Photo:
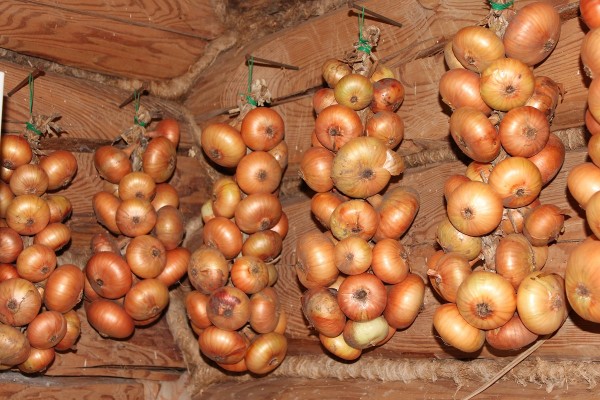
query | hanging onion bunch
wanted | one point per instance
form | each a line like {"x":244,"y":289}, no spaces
{"x":496,"y":235}
{"x":140,"y":256}
{"x":38,"y":294}
{"x":234,"y":309}
{"x":359,"y":287}
{"x":582,"y":183}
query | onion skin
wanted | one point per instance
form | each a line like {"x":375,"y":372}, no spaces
{"x":109,"y":319}
{"x":266,"y":352}
{"x":582,"y":275}
{"x":321,"y":309}
{"x":507,"y":83}
{"x":476,"y":47}
{"x":511,"y":336}
{"x":14,"y":346}
{"x":532,"y":33}
{"x":474,"y":134}
{"x":404,"y":302}
{"x":455,"y":330}
{"x":64,"y":288}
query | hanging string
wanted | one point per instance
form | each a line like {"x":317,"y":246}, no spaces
{"x":29,"y":125}
{"x":501,"y":6}
{"x":136,"y":98}
{"x":363,"y":44}
{"x":249,"y":98}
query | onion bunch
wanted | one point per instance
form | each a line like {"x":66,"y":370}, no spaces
{"x":140,"y":255}
{"x":234,"y":309}
{"x":38,"y":296}
{"x":495,"y":239}
{"x":359,"y":287}
{"x":582,"y":183}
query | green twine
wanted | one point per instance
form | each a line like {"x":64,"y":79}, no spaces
{"x":500,"y":6}
{"x":249,"y":98}
{"x":28,"y":124}
{"x":363,"y":44}
{"x":136,"y":96}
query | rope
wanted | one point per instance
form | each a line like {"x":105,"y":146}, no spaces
{"x":501,"y":6}
{"x":363,"y":44}
{"x":29,"y":125}
{"x":249,"y":97}
{"x":136,"y":96}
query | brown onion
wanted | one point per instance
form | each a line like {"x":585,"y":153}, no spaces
{"x":258,"y":172}
{"x":146,"y":256}
{"x":20,"y":302}
{"x":532,"y":33}
{"x":550,"y":159}
{"x":223,"y":346}
{"x":264,"y":310}
{"x":105,"y":207}
{"x":60,"y":167}
{"x":64,"y":288}
{"x":11,"y":245}
{"x":73,"y":332}
{"x":109,"y":319}
{"x":266,"y":245}
{"x":135,"y":217}
{"x":37,"y":361}
{"x":137,"y":184}
{"x":224,"y":235}
{"x":354,"y":217}
{"x":362,"y":297}
{"x":258,"y":212}
{"x":208,"y":269}
{"x":514,"y":258}
{"x":476,"y":47}
{"x":513,"y":335}
{"x":54,"y":236}
{"x":266,"y":352}
{"x":390,"y":261}
{"x":228,"y":308}
{"x":507,"y":83}
{"x":146,"y":299}
{"x":176,"y":265}
{"x":223,"y":144}
{"x":315,"y":169}
{"x":397,"y":211}
{"x":448,"y":273}
{"x":27,"y":214}
{"x":322,"y":311}
{"x":14,"y":347}
{"x":336,"y":125}
{"x":386,"y":126}
{"x":262,"y":128}
{"x":459,"y":87}
{"x":15,"y":151}
{"x":195,"y":306}
{"x":226,"y":195}
{"x":159,"y":159}
{"x":315,"y":264}
{"x":474,"y":134}
{"x":524,"y":131}
{"x":60,"y":207}
{"x":29,"y":179}
{"x":517,"y":180}
{"x":36,"y":262}
{"x":249,"y":274}
{"x":543,"y":224}
{"x":112,"y":163}
{"x":46,"y":330}
{"x":166,"y":195}
{"x":404,"y":301}
{"x":109,"y":275}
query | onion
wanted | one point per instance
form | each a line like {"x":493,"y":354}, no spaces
{"x":266,"y":352}
{"x":262,"y":128}
{"x":362,"y":297}
{"x":223,"y":144}
{"x":477,"y":47}
{"x":532,"y":33}
{"x":20,"y":302}
{"x":404,"y":301}
{"x":64,"y":288}
{"x":541,"y":302}
{"x":474,"y":208}
{"x":474,"y":134}
{"x":60,"y":167}
{"x":109,"y":319}
{"x":321,"y":309}
{"x":455,"y":330}
{"x":507,"y":83}
{"x":46,"y":330}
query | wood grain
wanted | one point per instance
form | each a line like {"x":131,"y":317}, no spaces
{"x":571,"y":342}
{"x":192,"y":18}
{"x":283,"y":388}
{"x":425,"y":26}
{"x":94,"y":43}
{"x":87,"y":109}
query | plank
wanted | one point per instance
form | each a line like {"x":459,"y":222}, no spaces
{"x":193,"y":18}
{"x":94,"y":43}
{"x":284,"y":388}
{"x":575,"y":340}
{"x":19,"y":387}
{"x":425,"y":117}
{"x":88,"y":110}
{"x":150,"y":353}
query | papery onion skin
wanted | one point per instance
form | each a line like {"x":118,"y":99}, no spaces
{"x":46,"y":330}
{"x":355,"y":217}
{"x":28,"y":214}
{"x":228,"y":308}
{"x":223,"y":144}
{"x":258,"y":172}
{"x":486,"y":300}
{"x":361,"y":169}
{"x":262,"y":128}
{"x":362,"y":297}
{"x":455,"y":330}
{"x":354,"y":91}
{"x":321,"y":309}
{"x":11,"y":245}
{"x":224,"y":235}
{"x":146,"y":299}
{"x":447,"y":274}
{"x":541,"y":302}
{"x":590,"y":13}
{"x":474,"y":208}
{"x":524,"y":131}
{"x":583,"y":181}
{"x":38,"y":360}
{"x":507,"y":83}
{"x":208,"y":269}
{"x":404,"y":301}
{"x":398,"y":209}
{"x":336,"y":125}
{"x":514,"y":258}
{"x":15,"y":151}
{"x":14,"y":346}
{"x":20,"y":302}
{"x":338,"y":347}
{"x":61,"y":167}
{"x":460,"y":88}
{"x":582,"y":277}
{"x":474,"y":134}
{"x":550,"y":159}
{"x":511,"y":336}
{"x":266,"y":352}
{"x":64,"y":288}
{"x":387,"y":126}
{"x":160,"y":159}
{"x":315,"y":169}
{"x":315,"y":265}
{"x":476,"y":47}
{"x":109,"y":319}
{"x":228,"y":347}
{"x":73,"y":332}
{"x":517,"y":180}
{"x":532,"y":33}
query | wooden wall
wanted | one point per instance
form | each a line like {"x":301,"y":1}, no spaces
{"x":91,"y":117}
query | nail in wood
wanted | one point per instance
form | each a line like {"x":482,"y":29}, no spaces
{"x":35,"y":73}
{"x":131,"y":97}
{"x":270,"y":62}
{"x":374,"y":14}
